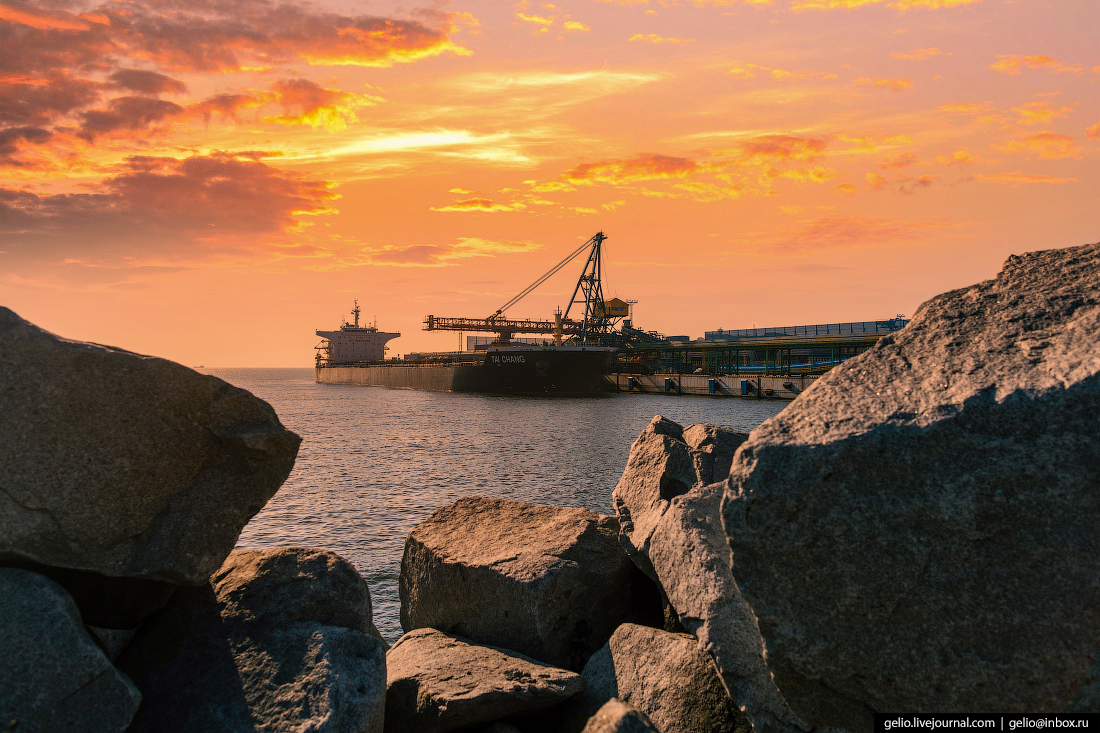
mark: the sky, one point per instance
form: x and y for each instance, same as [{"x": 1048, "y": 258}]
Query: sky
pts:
[{"x": 212, "y": 181}]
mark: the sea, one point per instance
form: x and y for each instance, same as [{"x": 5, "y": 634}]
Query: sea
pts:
[{"x": 376, "y": 461}]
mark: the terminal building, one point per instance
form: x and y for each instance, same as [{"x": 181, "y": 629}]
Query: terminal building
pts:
[{"x": 815, "y": 330}]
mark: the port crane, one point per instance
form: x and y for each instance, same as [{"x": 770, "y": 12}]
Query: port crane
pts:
[{"x": 593, "y": 326}]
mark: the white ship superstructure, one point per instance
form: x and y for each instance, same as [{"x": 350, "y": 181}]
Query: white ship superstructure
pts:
[{"x": 353, "y": 343}]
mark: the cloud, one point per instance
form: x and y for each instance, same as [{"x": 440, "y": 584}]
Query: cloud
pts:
[
  {"x": 918, "y": 54},
  {"x": 42, "y": 100},
  {"x": 606, "y": 81},
  {"x": 162, "y": 208},
  {"x": 749, "y": 71},
  {"x": 900, "y": 5},
  {"x": 912, "y": 184},
  {"x": 966, "y": 108},
  {"x": 441, "y": 255},
  {"x": 63, "y": 70},
  {"x": 959, "y": 157},
  {"x": 146, "y": 82},
  {"x": 765, "y": 148},
  {"x": 642, "y": 167},
  {"x": 479, "y": 204},
  {"x": 215, "y": 36},
  {"x": 1012, "y": 64},
  {"x": 868, "y": 144},
  {"x": 898, "y": 161},
  {"x": 1039, "y": 113},
  {"x": 817, "y": 174},
  {"x": 834, "y": 231},
  {"x": 875, "y": 181},
  {"x": 550, "y": 186},
  {"x": 1015, "y": 178},
  {"x": 1047, "y": 144},
  {"x": 654, "y": 38},
  {"x": 308, "y": 103},
  {"x": 41, "y": 19},
  {"x": 847, "y": 188},
  {"x": 707, "y": 192},
  {"x": 1093, "y": 133},
  {"x": 548, "y": 17},
  {"x": 537, "y": 19},
  {"x": 10, "y": 146},
  {"x": 126, "y": 113},
  {"x": 896, "y": 85}
]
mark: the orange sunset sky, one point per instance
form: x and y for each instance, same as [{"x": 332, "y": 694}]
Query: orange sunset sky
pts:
[{"x": 213, "y": 180}]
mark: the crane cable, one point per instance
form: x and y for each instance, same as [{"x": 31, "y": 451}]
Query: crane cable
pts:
[{"x": 540, "y": 281}]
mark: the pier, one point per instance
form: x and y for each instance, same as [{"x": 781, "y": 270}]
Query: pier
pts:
[{"x": 779, "y": 367}]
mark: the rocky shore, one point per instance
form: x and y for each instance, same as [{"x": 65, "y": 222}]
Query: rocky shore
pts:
[{"x": 915, "y": 533}]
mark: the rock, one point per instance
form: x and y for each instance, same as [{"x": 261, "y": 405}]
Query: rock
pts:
[
  {"x": 663, "y": 675},
  {"x": 617, "y": 717},
  {"x": 124, "y": 465},
  {"x": 438, "y": 682},
  {"x": 677, "y": 534},
  {"x": 499, "y": 727},
  {"x": 666, "y": 461},
  {"x": 1087, "y": 697},
  {"x": 917, "y": 531},
  {"x": 547, "y": 582},
  {"x": 104, "y": 601},
  {"x": 690, "y": 555},
  {"x": 277, "y": 641},
  {"x": 267, "y": 589},
  {"x": 111, "y": 641},
  {"x": 54, "y": 678}
]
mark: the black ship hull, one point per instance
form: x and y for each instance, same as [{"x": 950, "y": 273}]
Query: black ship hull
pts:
[{"x": 563, "y": 371}]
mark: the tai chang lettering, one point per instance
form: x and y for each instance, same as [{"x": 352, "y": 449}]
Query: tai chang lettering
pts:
[{"x": 507, "y": 358}]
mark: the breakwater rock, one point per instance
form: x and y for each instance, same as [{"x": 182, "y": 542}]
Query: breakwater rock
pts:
[
  {"x": 665, "y": 676},
  {"x": 669, "y": 505},
  {"x": 124, "y": 475},
  {"x": 437, "y": 682},
  {"x": 277, "y": 640},
  {"x": 125, "y": 481},
  {"x": 918, "y": 530},
  {"x": 547, "y": 582}
]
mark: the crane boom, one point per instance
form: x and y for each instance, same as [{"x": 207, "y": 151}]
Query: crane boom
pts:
[
  {"x": 499, "y": 325},
  {"x": 595, "y": 324},
  {"x": 546, "y": 276}
]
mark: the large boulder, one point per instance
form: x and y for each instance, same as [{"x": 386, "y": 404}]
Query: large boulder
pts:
[
  {"x": 669, "y": 505},
  {"x": 279, "y": 640},
  {"x": 125, "y": 466},
  {"x": 918, "y": 530},
  {"x": 690, "y": 556},
  {"x": 665, "y": 676},
  {"x": 670, "y": 513},
  {"x": 53, "y": 676},
  {"x": 666, "y": 461},
  {"x": 547, "y": 582},
  {"x": 438, "y": 682},
  {"x": 618, "y": 717}
]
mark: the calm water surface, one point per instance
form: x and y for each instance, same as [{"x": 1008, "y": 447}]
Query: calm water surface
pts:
[{"x": 374, "y": 461}]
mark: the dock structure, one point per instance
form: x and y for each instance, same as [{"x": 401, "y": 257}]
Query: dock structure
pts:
[{"x": 754, "y": 368}]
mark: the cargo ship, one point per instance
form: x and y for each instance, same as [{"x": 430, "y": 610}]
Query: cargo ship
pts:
[
  {"x": 573, "y": 365},
  {"x": 555, "y": 371}
]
